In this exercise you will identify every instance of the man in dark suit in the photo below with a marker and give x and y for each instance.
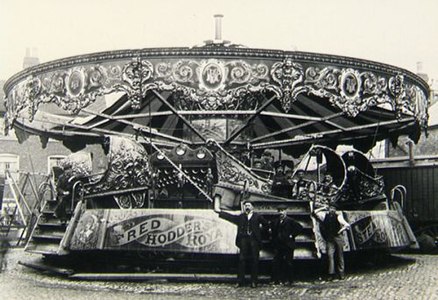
(284, 231)
(248, 240)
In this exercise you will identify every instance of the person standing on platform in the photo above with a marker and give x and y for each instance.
(332, 225)
(284, 232)
(248, 239)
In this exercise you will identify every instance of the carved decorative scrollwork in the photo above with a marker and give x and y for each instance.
(290, 76)
(216, 84)
(348, 89)
(71, 89)
(135, 75)
(235, 174)
(31, 92)
(419, 104)
(128, 168)
(211, 84)
(397, 89)
(354, 92)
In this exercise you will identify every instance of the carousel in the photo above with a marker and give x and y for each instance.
(185, 131)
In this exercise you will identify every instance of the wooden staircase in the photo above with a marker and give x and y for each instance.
(48, 232)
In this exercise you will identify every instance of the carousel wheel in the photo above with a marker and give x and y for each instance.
(427, 238)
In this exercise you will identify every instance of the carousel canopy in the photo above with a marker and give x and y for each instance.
(241, 97)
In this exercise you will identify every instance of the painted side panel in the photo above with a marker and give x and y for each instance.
(190, 231)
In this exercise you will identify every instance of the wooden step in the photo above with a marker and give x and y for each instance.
(48, 211)
(304, 239)
(50, 206)
(56, 223)
(304, 253)
(47, 236)
(40, 251)
(42, 247)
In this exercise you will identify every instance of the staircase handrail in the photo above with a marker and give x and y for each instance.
(401, 189)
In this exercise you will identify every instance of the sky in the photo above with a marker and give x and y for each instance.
(396, 32)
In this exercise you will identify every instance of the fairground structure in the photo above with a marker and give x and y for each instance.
(190, 130)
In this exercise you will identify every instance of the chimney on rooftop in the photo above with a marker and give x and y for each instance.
(31, 59)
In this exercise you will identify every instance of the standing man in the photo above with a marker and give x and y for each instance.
(248, 240)
(332, 224)
(284, 231)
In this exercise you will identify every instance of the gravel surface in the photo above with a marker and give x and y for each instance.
(408, 276)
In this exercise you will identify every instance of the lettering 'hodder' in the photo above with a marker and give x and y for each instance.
(159, 232)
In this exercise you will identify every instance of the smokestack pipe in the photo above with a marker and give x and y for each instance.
(218, 27)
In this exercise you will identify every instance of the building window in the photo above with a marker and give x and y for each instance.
(10, 163)
(54, 161)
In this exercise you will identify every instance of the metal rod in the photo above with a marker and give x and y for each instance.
(295, 127)
(217, 112)
(296, 139)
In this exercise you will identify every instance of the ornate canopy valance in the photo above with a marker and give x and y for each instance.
(214, 81)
